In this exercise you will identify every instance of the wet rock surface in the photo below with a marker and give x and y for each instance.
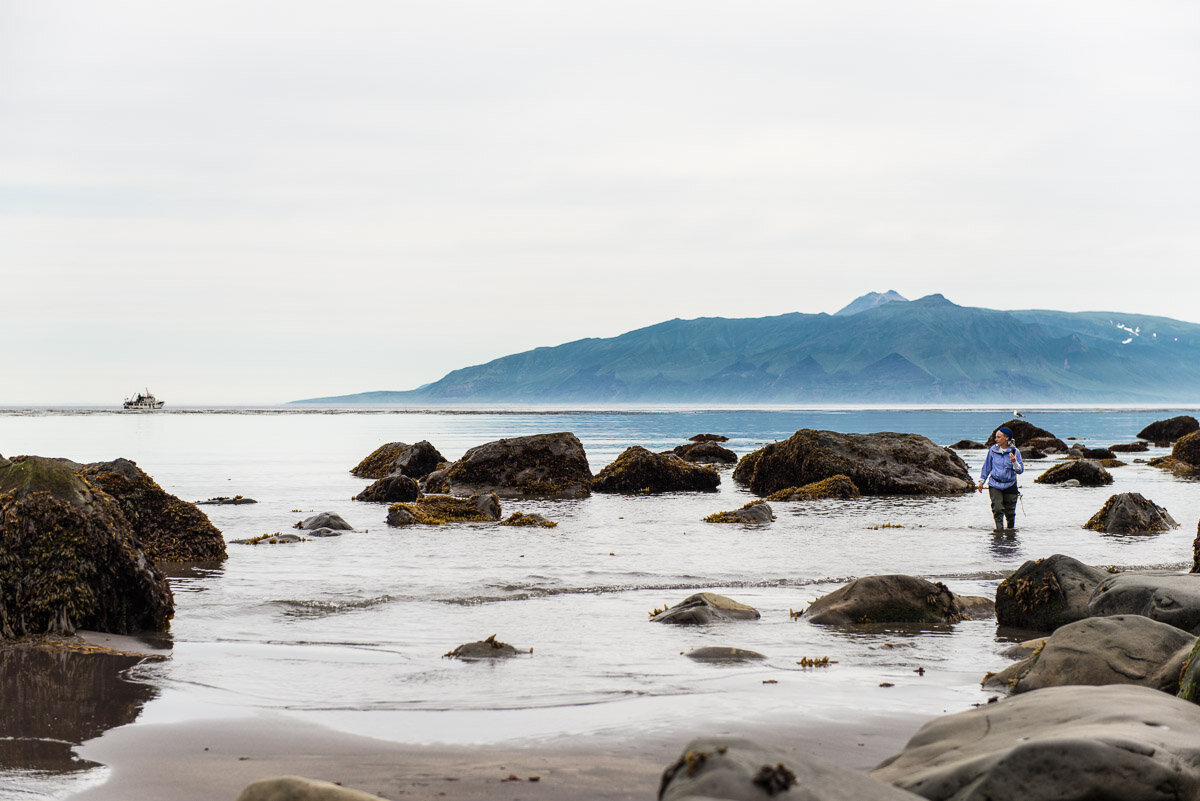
(415, 461)
(706, 452)
(878, 464)
(639, 470)
(436, 510)
(1130, 513)
(537, 466)
(1173, 599)
(1164, 432)
(753, 512)
(1043, 594)
(324, 520)
(1085, 471)
(393, 488)
(838, 487)
(894, 599)
(722, 653)
(703, 608)
(491, 648)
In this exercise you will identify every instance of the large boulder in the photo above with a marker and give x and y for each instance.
(1130, 513)
(1185, 456)
(1164, 432)
(414, 461)
(1123, 649)
(733, 769)
(706, 452)
(639, 470)
(705, 607)
(298, 788)
(1173, 599)
(69, 558)
(968, 445)
(392, 488)
(435, 510)
(1130, 447)
(877, 464)
(1047, 593)
(1085, 471)
(894, 599)
(169, 529)
(753, 512)
(541, 466)
(1026, 434)
(839, 487)
(1082, 743)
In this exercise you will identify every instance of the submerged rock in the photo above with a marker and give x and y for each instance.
(968, 445)
(434, 510)
(703, 608)
(1086, 472)
(1123, 649)
(1130, 513)
(1114, 742)
(415, 461)
(69, 557)
(1047, 593)
(894, 599)
(709, 438)
(1164, 432)
(324, 520)
(537, 466)
(298, 788)
(753, 512)
(524, 519)
(721, 653)
(878, 464)
(1173, 599)
(490, 648)
(392, 488)
(225, 500)
(839, 487)
(1130, 447)
(639, 470)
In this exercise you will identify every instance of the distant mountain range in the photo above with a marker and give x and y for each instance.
(881, 348)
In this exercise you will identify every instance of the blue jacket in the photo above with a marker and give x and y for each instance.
(998, 471)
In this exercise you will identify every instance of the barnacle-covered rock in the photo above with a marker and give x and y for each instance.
(434, 510)
(838, 487)
(1130, 513)
(1047, 593)
(894, 599)
(536, 466)
(415, 461)
(69, 558)
(639, 470)
(753, 512)
(877, 464)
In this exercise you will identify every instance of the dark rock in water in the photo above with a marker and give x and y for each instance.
(706, 452)
(490, 648)
(69, 557)
(1130, 513)
(1029, 453)
(720, 653)
(1185, 456)
(1164, 432)
(434, 510)
(878, 464)
(1096, 453)
(1102, 743)
(298, 788)
(224, 500)
(753, 512)
(733, 769)
(1173, 599)
(393, 488)
(1042, 445)
(523, 519)
(708, 438)
(414, 461)
(325, 532)
(968, 445)
(1085, 471)
(537, 466)
(1123, 649)
(1024, 433)
(705, 607)
(169, 529)
(894, 599)
(278, 538)
(838, 487)
(1047, 593)
(639, 470)
(1130, 447)
(324, 520)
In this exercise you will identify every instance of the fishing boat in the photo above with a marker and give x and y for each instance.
(144, 401)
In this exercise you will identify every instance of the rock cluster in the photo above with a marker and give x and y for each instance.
(1185, 456)
(537, 466)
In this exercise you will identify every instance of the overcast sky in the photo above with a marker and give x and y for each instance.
(252, 202)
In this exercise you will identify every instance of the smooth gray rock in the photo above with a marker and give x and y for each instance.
(1087, 472)
(1112, 743)
(491, 648)
(1123, 649)
(894, 599)
(705, 607)
(721, 653)
(1173, 599)
(1047, 593)
(297, 788)
(325, 520)
(735, 769)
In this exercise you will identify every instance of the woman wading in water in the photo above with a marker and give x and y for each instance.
(1001, 467)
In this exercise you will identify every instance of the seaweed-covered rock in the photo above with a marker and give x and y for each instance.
(1047, 593)
(878, 464)
(491, 648)
(1078, 742)
(298, 788)
(709, 438)
(1085, 471)
(753, 512)
(434, 510)
(169, 529)
(324, 520)
(1189, 676)
(1025, 433)
(69, 558)
(705, 607)
(1164, 432)
(723, 653)
(415, 461)
(392, 488)
(1130, 513)
(1185, 456)
(537, 466)
(968, 445)
(894, 599)
(838, 487)
(1123, 649)
(1173, 598)
(1130, 447)
(639, 470)
(530, 519)
(733, 769)
(706, 452)
(226, 500)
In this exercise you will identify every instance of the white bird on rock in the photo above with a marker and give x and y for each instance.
(1017, 413)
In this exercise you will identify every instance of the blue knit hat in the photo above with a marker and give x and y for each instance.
(1005, 430)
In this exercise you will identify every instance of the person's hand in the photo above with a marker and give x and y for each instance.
(1012, 457)
(979, 487)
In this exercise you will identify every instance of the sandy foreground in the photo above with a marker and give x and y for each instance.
(213, 760)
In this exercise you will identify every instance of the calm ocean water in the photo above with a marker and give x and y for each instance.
(350, 631)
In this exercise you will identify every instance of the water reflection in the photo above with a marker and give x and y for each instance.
(1005, 546)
